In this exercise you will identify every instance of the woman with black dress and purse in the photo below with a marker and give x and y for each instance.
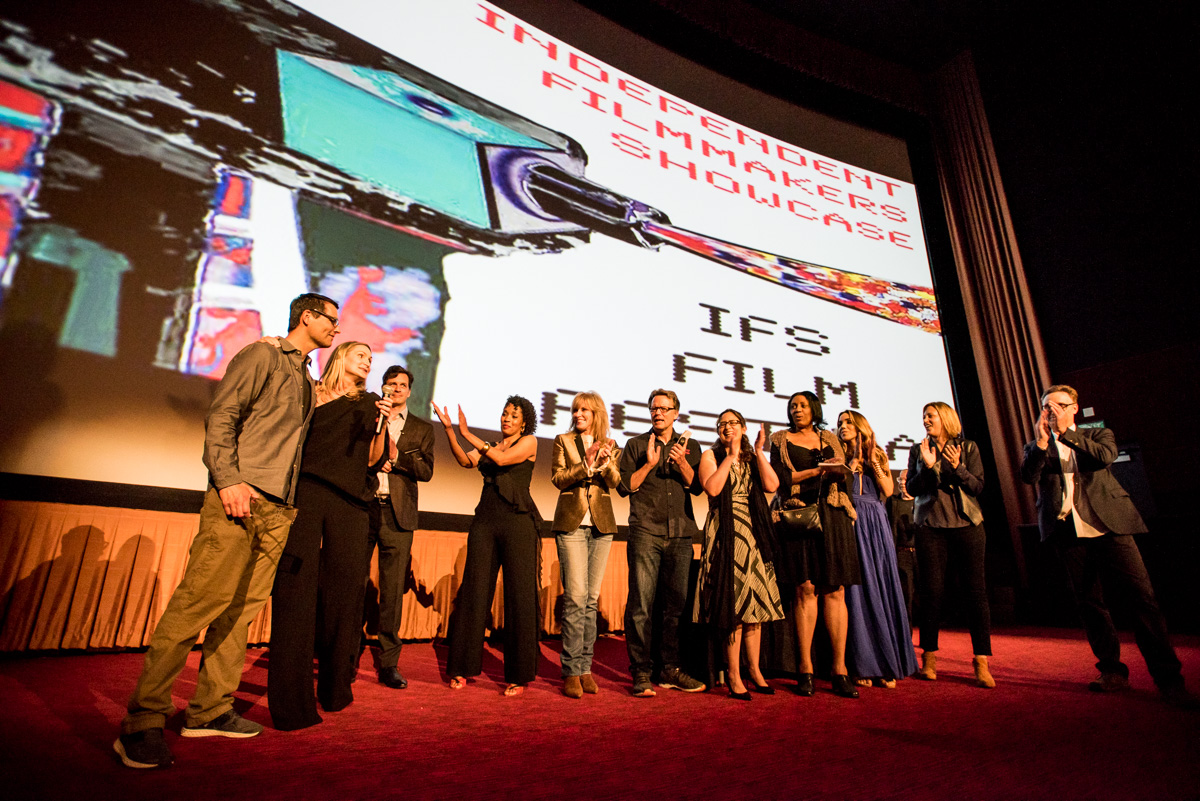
(819, 553)
(504, 533)
(317, 599)
(945, 475)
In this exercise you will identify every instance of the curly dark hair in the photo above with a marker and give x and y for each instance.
(528, 413)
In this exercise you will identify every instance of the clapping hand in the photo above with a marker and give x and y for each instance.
(444, 416)
(462, 424)
(605, 453)
(953, 454)
(653, 450)
(593, 452)
(760, 441)
(928, 454)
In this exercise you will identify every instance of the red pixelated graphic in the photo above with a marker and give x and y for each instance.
(236, 249)
(220, 334)
(24, 101)
(356, 311)
(8, 224)
(235, 200)
(16, 146)
(901, 303)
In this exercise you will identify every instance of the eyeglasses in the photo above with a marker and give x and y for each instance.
(661, 409)
(1048, 407)
(330, 318)
(727, 424)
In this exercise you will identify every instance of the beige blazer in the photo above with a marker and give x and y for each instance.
(579, 493)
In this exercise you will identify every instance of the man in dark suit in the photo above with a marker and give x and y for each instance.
(410, 460)
(1088, 517)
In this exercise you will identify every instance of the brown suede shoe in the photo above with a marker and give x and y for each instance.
(983, 676)
(589, 684)
(572, 687)
(928, 669)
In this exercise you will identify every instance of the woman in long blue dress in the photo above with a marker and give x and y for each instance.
(879, 645)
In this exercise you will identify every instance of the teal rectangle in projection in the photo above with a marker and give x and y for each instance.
(388, 131)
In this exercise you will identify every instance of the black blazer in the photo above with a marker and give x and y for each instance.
(1095, 450)
(414, 462)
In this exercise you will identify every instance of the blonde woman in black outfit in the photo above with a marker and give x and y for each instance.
(945, 475)
(323, 566)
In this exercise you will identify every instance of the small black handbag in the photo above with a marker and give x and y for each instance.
(798, 521)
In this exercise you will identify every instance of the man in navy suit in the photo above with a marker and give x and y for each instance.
(1088, 517)
(410, 459)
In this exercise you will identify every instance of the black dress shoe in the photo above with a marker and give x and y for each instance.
(804, 685)
(390, 677)
(843, 687)
(762, 689)
(744, 695)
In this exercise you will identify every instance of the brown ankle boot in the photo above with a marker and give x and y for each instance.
(572, 688)
(928, 669)
(589, 684)
(983, 677)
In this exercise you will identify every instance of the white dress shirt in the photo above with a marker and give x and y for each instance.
(395, 428)
(1070, 466)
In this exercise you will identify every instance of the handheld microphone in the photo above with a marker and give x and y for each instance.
(382, 421)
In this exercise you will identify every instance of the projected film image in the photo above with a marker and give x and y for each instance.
(491, 206)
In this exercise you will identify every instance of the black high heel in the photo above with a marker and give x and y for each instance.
(804, 685)
(843, 687)
(761, 689)
(742, 696)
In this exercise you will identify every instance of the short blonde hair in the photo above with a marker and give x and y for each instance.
(592, 400)
(1069, 390)
(951, 425)
(335, 370)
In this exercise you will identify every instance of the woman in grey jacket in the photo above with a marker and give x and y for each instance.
(945, 475)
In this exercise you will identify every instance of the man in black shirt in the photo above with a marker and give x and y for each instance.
(658, 473)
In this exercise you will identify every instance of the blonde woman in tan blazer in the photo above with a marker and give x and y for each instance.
(585, 469)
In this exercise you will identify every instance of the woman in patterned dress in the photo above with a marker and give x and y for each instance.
(738, 591)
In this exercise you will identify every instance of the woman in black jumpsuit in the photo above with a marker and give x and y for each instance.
(505, 534)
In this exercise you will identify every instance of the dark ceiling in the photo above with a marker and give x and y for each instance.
(920, 34)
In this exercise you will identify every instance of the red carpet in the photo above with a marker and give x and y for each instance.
(1039, 734)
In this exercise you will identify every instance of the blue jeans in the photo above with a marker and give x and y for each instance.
(582, 557)
(658, 567)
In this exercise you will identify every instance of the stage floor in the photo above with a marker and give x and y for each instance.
(1039, 734)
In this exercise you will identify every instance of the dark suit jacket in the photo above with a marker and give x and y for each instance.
(414, 462)
(577, 492)
(1095, 449)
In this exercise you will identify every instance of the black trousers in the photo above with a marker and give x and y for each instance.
(317, 607)
(499, 537)
(961, 550)
(1113, 561)
(906, 566)
(395, 549)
